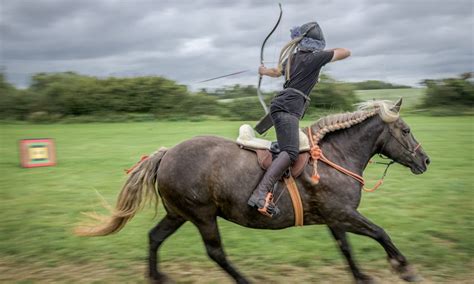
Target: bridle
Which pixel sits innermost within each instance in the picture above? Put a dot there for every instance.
(412, 152)
(392, 161)
(316, 154)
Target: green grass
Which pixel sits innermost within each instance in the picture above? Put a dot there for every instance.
(429, 216)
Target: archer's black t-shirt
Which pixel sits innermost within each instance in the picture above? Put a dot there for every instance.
(304, 74)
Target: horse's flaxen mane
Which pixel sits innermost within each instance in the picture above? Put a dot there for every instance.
(365, 110)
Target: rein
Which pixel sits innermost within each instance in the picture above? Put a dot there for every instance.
(317, 154)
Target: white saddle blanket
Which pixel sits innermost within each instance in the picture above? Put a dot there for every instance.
(247, 138)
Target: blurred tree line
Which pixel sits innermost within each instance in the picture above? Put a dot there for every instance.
(58, 96)
(71, 97)
(450, 95)
(376, 85)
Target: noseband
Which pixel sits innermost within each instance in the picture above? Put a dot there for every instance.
(412, 152)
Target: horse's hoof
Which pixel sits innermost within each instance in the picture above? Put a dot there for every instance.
(412, 278)
(365, 279)
(408, 273)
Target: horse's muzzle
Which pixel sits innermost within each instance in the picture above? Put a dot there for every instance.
(418, 169)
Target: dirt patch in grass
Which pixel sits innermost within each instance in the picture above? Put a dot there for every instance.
(186, 272)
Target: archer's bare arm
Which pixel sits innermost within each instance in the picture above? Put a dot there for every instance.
(271, 72)
(340, 53)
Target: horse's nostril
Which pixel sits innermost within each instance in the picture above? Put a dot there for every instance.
(427, 161)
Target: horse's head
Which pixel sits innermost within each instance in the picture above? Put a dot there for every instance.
(398, 143)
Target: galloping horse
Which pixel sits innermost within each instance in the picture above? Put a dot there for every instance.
(205, 177)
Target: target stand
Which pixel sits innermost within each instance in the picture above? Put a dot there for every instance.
(37, 153)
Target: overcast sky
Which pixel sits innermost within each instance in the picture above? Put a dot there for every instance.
(400, 41)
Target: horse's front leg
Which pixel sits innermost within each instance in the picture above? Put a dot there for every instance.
(356, 223)
(341, 238)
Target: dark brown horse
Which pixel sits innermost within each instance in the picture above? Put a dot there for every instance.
(206, 177)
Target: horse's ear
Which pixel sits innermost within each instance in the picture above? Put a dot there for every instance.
(396, 107)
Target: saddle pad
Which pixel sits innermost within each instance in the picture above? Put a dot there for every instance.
(248, 140)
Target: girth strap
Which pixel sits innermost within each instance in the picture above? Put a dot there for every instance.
(295, 199)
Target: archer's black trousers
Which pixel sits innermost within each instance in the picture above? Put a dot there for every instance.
(287, 131)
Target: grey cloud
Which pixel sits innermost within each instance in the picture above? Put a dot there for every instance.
(398, 41)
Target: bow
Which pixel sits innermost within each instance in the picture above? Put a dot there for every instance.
(259, 93)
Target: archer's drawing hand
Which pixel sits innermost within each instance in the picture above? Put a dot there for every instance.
(270, 72)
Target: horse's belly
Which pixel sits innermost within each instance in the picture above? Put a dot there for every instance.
(210, 175)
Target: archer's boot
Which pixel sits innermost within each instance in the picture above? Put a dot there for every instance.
(261, 196)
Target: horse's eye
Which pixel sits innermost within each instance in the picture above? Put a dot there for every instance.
(406, 131)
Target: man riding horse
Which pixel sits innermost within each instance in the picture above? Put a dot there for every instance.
(301, 70)
(207, 177)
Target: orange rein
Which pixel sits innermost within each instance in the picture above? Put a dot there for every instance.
(317, 154)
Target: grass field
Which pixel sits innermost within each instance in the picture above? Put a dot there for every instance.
(429, 217)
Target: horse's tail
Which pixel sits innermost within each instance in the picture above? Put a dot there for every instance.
(140, 186)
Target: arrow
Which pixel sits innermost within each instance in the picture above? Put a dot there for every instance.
(223, 76)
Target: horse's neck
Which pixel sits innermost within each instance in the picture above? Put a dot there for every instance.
(353, 147)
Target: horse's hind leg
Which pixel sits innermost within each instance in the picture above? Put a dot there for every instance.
(165, 228)
(356, 223)
(341, 238)
(212, 241)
